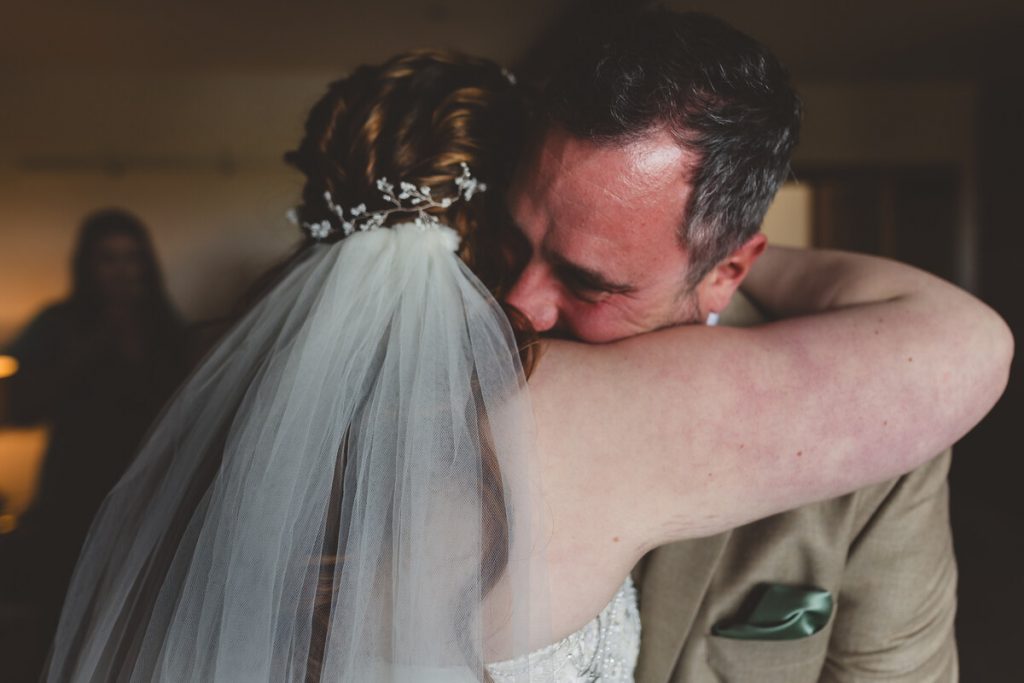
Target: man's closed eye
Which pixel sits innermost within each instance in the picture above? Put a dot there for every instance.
(587, 286)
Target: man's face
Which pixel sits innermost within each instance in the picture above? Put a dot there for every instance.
(602, 224)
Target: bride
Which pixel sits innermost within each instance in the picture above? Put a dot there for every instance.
(379, 474)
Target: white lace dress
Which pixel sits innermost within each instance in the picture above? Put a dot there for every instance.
(604, 650)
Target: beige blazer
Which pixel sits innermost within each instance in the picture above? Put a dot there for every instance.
(884, 552)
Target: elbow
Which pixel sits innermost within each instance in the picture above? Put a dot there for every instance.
(998, 349)
(1005, 348)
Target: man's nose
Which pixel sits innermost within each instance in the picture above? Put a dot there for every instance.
(535, 295)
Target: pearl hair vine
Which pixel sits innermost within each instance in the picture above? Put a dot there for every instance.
(410, 199)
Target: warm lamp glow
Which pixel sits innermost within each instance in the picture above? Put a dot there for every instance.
(8, 366)
(21, 456)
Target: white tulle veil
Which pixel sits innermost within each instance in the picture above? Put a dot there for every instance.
(342, 491)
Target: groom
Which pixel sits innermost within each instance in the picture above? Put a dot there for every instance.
(664, 143)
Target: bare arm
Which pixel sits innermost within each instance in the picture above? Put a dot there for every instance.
(793, 282)
(691, 430)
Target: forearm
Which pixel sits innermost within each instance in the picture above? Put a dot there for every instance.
(792, 282)
(861, 292)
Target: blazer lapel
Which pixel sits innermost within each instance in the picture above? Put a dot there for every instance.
(672, 581)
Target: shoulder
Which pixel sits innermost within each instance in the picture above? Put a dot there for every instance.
(50, 322)
(53, 312)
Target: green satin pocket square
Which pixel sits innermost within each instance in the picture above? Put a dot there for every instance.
(777, 612)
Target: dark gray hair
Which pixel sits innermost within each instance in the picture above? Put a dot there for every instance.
(723, 96)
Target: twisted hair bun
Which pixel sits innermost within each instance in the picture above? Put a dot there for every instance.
(415, 118)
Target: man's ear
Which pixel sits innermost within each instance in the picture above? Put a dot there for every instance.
(716, 289)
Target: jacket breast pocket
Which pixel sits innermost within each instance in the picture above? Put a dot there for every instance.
(769, 661)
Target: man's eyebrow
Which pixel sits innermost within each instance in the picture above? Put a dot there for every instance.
(581, 275)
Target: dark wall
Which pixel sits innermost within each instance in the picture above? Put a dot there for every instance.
(988, 471)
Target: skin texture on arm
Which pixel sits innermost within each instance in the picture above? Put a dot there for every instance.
(702, 430)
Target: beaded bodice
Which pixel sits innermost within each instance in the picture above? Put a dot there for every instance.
(604, 650)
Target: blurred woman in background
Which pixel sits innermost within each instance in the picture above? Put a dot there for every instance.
(96, 368)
